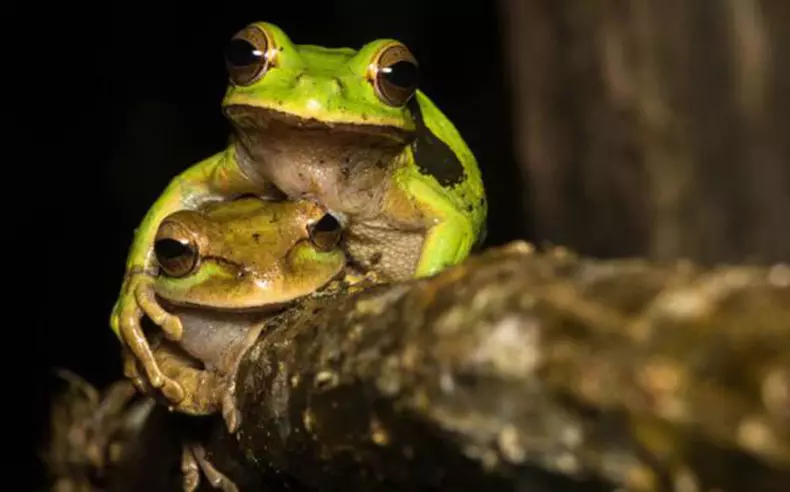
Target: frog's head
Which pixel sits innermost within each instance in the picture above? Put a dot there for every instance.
(247, 254)
(355, 97)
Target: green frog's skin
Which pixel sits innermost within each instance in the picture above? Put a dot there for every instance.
(223, 269)
(347, 129)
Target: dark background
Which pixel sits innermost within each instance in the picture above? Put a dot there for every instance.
(136, 97)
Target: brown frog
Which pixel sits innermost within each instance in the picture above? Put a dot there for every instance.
(223, 270)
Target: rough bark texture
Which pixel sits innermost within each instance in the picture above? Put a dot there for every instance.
(523, 371)
(654, 128)
(639, 374)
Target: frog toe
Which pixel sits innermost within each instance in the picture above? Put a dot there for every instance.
(134, 339)
(132, 373)
(172, 327)
(230, 413)
(173, 391)
(169, 323)
(215, 477)
(190, 470)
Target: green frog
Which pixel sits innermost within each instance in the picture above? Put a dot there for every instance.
(347, 129)
(224, 269)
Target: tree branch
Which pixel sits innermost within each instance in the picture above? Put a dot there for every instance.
(634, 373)
(522, 371)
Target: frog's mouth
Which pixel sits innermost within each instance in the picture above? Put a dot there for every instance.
(256, 119)
(227, 311)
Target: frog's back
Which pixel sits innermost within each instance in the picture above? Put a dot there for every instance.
(442, 155)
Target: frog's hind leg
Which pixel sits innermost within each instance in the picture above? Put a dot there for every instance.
(193, 461)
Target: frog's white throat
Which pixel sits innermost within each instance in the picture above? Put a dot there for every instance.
(346, 167)
(217, 337)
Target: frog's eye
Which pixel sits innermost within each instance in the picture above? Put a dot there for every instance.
(177, 255)
(326, 233)
(395, 74)
(248, 55)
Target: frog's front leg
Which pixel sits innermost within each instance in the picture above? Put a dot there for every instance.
(172, 390)
(132, 372)
(449, 237)
(137, 348)
(193, 462)
(217, 176)
(447, 243)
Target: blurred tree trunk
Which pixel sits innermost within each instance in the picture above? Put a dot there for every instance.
(655, 128)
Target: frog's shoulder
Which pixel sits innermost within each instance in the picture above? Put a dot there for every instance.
(438, 149)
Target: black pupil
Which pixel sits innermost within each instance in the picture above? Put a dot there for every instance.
(241, 53)
(402, 74)
(327, 224)
(169, 249)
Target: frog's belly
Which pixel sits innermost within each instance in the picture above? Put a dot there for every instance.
(389, 252)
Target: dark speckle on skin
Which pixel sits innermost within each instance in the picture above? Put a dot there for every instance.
(431, 155)
(375, 259)
(470, 208)
(346, 172)
(364, 117)
(256, 236)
